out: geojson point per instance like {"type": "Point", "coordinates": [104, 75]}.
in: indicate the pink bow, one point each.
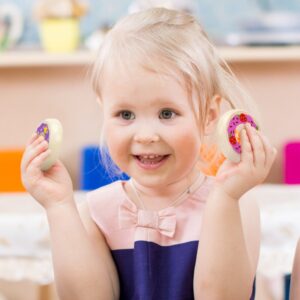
{"type": "Point", "coordinates": [164, 220]}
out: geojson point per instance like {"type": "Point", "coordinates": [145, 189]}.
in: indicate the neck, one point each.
{"type": "Point", "coordinates": [159, 197]}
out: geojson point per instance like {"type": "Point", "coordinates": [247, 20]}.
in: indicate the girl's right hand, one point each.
{"type": "Point", "coordinates": [50, 187]}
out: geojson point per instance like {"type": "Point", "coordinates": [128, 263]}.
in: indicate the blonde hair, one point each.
{"type": "Point", "coordinates": [170, 42]}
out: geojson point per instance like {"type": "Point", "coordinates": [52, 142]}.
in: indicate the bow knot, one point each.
{"type": "Point", "coordinates": [164, 220]}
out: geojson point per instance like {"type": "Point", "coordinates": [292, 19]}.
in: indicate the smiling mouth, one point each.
{"type": "Point", "coordinates": [151, 160]}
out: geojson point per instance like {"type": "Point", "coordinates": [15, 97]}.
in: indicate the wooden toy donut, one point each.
{"type": "Point", "coordinates": [52, 131]}
{"type": "Point", "coordinates": [228, 128]}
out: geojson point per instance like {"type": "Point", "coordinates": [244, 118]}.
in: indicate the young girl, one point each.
{"type": "Point", "coordinates": [170, 232]}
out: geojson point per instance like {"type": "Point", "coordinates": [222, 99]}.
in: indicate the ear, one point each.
{"type": "Point", "coordinates": [213, 115]}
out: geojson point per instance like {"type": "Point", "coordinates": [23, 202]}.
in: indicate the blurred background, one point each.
{"type": "Point", "coordinates": [219, 18]}
{"type": "Point", "coordinates": [47, 48]}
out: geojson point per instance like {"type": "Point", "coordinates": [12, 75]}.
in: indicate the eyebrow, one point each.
{"type": "Point", "coordinates": [155, 101]}
{"type": "Point", "coordinates": [164, 102]}
{"type": "Point", "coordinates": [121, 105]}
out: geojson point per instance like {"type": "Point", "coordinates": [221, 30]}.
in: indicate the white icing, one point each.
{"type": "Point", "coordinates": [55, 140]}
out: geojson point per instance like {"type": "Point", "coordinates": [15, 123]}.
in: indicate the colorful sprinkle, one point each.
{"type": "Point", "coordinates": [232, 140]}
{"type": "Point", "coordinates": [233, 133]}
{"type": "Point", "coordinates": [43, 130]}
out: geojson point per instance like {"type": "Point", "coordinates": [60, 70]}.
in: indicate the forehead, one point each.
{"type": "Point", "coordinates": [137, 82]}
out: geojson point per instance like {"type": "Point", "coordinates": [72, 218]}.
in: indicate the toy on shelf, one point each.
{"type": "Point", "coordinates": [52, 131]}
{"type": "Point", "coordinates": [291, 162]}
{"type": "Point", "coordinates": [59, 24]}
{"type": "Point", "coordinates": [11, 25]}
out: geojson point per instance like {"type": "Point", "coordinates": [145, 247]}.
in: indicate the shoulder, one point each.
{"type": "Point", "coordinates": [105, 197]}
{"type": "Point", "coordinates": [105, 192]}
{"type": "Point", "coordinates": [103, 204]}
{"type": "Point", "coordinates": [205, 188]}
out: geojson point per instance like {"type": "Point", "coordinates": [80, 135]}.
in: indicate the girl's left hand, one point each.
{"type": "Point", "coordinates": [257, 157]}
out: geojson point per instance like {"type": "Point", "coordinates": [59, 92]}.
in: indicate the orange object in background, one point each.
{"type": "Point", "coordinates": [211, 159]}
{"type": "Point", "coordinates": [10, 174]}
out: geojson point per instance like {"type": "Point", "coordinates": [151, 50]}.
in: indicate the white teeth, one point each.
{"type": "Point", "coordinates": [149, 156]}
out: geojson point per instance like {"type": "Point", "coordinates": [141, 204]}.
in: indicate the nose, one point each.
{"type": "Point", "coordinates": [146, 137]}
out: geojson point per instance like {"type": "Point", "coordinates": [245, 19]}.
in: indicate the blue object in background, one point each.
{"type": "Point", "coordinates": [93, 174]}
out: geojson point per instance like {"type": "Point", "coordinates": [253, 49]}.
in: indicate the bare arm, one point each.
{"type": "Point", "coordinates": [228, 249]}
{"type": "Point", "coordinates": [229, 241]}
{"type": "Point", "coordinates": [82, 263]}
{"type": "Point", "coordinates": [295, 279]}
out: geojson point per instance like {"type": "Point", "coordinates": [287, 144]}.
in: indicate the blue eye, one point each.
{"type": "Point", "coordinates": [126, 115]}
{"type": "Point", "coordinates": [167, 114]}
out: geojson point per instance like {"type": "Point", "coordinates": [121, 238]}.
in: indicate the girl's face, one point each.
{"type": "Point", "coordinates": [149, 126]}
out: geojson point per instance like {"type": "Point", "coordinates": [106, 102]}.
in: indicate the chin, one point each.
{"type": "Point", "coordinates": [150, 181]}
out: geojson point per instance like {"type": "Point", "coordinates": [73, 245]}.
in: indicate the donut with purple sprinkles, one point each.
{"type": "Point", "coordinates": [51, 130]}
{"type": "Point", "coordinates": [43, 130]}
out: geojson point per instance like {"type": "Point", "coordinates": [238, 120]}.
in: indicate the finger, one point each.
{"type": "Point", "coordinates": [31, 152]}
{"type": "Point", "coordinates": [269, 150]}
{"type": "Point", "coordinates": [256, 142]}
{"type": "Point", "coordinates": [32, 144]}
{"type": "Point", "coordinates": [246, 155]}
{"type": "Point", "coordinates": [34, 169]}
{"type": "Point", "coordinates": [33, 137]}
{"type": "Point", "coordinates": [39, 159]}
{"type": "Point", "coordinates": [37, 140]}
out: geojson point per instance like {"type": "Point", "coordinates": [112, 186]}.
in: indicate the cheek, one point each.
{"type": "Point", "coordinates": [190, 146]}
{"type": "Point", "coordinates": [117, 144]}
{"type": "Point", "coordinates": [188, 142]}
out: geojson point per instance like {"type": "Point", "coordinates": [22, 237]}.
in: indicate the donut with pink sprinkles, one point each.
{"type": "Point", "coordinates": [236, 120]}
{"type": "Point", "coordinates": [228, 130]}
